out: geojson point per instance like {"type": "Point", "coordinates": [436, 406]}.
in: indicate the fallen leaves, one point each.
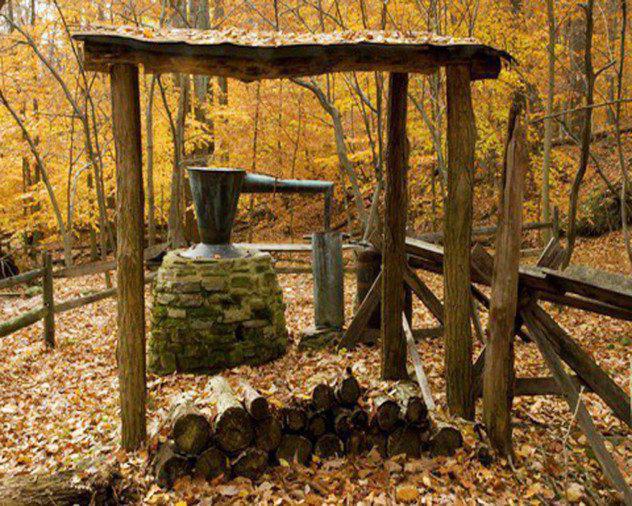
{"type": "Point", "coordinates": [58, 408]}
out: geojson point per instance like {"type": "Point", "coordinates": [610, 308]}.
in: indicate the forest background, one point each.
{"type": "Point", "coordinates": [57, 155]}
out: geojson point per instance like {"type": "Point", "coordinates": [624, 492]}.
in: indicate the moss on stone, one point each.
{"type": "Point", "coordinates": [213, 314]}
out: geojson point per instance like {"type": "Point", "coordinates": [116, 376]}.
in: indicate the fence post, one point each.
{"type": "Point", "coordinates": [48, 299]}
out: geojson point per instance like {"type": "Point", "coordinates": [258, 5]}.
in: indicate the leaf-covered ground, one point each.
{"type": "Point", "coordinates": [60, 407]}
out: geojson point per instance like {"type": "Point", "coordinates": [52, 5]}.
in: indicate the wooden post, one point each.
{"type": "Point", "coordinates": [498, 376]}
{"type": "Point", "coordinates": [48, 299]}
{"type": "Point", "coordinates": [461, 141]}
{"type": "Point", "coordinates": [129, 253]}
{"type": "Point", "coordinates": [328, 280]}
{"type": "Point", "coordinates": [393, 246]}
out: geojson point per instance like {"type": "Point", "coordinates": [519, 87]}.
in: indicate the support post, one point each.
{"type": "Point", "coordinates": [461, 139]}
{"type": "Point", "coordinates": [498, 376]}
{"type": "Point", "coordinates": [129, 253]}
{"type": "Point", "coordinates": [328, 280]}
{"type": "Point", "coordinates": [48, 298]}
{"type": "Point", "coordinates": [393, 246]}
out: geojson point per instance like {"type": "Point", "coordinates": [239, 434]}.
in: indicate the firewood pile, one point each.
{"type": "Point", "coordinates": [245, 436]}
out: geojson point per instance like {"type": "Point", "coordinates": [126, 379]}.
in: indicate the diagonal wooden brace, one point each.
{"type": "Point", "coordinates": [566, 385]}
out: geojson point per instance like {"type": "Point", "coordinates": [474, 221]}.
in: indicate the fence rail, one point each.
{"type": "Point", "coordinates": [49, 307]}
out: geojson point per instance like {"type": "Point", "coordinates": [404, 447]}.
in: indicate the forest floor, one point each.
{"type": "Point", "coordinates": [58, 408]}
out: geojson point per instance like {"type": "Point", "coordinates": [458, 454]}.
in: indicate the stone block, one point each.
{"type": "Point", "coordinates": [176, 313]}
{"type": "Point", "coordinates": [213, 283]}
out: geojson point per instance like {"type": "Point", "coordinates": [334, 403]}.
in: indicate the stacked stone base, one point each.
{"type": "Point", "coordinates": [212, 314]}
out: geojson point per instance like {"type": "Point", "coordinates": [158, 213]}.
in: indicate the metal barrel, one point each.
{"type": "Point", "coordinates": [215, 193]}
{"type": "Point", "coordinates": [259, 183]}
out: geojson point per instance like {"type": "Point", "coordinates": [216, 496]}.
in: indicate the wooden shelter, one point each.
{"type": "Point", "coordinates": [252, 56]}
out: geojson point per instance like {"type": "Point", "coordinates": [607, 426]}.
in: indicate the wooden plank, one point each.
{"type": "Point", "coordinates": [129, 254]}
{"type": "Point", "coordinates": [430, 257]}
{"type": "Point", "coordinates": [393, 252]}
{"type": "Point", "coordinates": [25, 277]}
{"type": "Point", "coordinates": [69, 305]}
{"type": "Point", "coordinates": [361, 318]}
{"type": "Point", "coordinates": [585, 367]}
{"type": "Point", "coordinates": [422, 379]}
{"type": "Point", "coordinates": [576, 405]}
{"type": "Point", "coordinates": [250, 63]}
{"type": "Point", "coordinates": [48, 299]}
{"type": "Point", "coordinates": [578, 302]}
{"type": "Point", "coordinates": [461, 139]}
{"type": "Point", "coordinates": [499, 373]}
{"type": "Point", "coordinates": [590, 289]}
{"type": "Point", "coordinates": [19, 322]}
{"type": "Point", "coordinates": [543, 386]}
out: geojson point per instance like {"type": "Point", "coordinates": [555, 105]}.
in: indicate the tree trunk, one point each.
{"type": "Point", "coordinates": [548, 122]}
{"type": "Point", "coordinates": [393, 250]}
{"type": "Point", "coordinates": [458, 235]}
{"type": "Point", "coordinates": [129, 253]}
{"type": "Point", "coordinates": [589, 77]}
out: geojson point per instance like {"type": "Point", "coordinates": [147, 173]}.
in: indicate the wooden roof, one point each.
{"type": "Point", "coordinates": [251, 55]}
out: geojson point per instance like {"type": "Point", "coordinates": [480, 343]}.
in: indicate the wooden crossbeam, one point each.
{"type": "Point", "coordinates": [581, 362]}
{"type": "Point", "coordinates": [422, 379]}
{"type": "Point", "coordinates": [421, 290]}
{"type": "Point", "coordinates": [363, 315]}
{"type": "Point", "coordinates": [576, 405]}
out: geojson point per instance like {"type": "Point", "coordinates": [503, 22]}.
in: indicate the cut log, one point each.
{"type": "Point", "coordinates": [251, 463]}
{"type": "Point", "coordinates": [356, 443]}
{"type": "Point", "coordinates": [416, 412]}
{"type": "Point", "coordinates": [347, 391]}
{"type": "Point", "coordinates": [294, 419]}
{"type": "Point", "coordinates": [268, 434]}
{"type": "Point", "coordinates": [255, 403]}
{"type": "Point", "coordinates": [413, 406]}
{"type": "Point", "coordinates": [378, 440]}
{"type": "Point", "coordinates": [342, 422]}
{"type": "Point", "coordinates": [323, 397]}
{"type": "Point", "coordinates": [212, 463]}
{"type": "Point", "coordinates": [329, 446]}
{"type": "Point", "coordinates": [317, 425]}
{"type": "Point", "coordinates": [168, 465]}
{"type": "Point", "coordinates": [404, 440]}
{"type": "Point", "coordinates": [387, 414]}
{"type": "Point", "coordinates": [233, 430]}
{"type": "Point", "coordinates": [295, 448]}
{"type": "Point", "coordinates": [66, 487]}
{"type": "Point", "coordinates": [445, 441]}
{"type": "Point", "coordinates": [190, 430]}
{"type": "Point", "coordinates": [359, 418]}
